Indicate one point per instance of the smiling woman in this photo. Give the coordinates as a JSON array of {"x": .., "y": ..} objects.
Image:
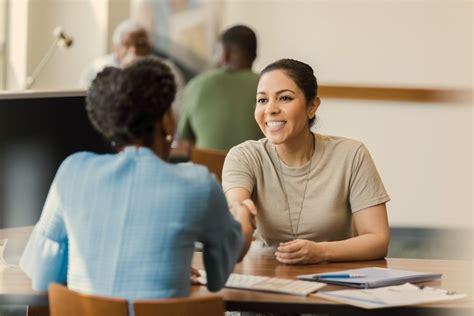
[
  {"x": 279, "y": 93},
  {"x": 314, "y": 197}
]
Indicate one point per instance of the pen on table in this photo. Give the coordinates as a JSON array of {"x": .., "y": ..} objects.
[{"x": 339, "y": 276}]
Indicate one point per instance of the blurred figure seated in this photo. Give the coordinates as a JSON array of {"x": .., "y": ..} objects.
[
  {"x": 218, "y": 105},
  {"x": 130, "y": 41}
]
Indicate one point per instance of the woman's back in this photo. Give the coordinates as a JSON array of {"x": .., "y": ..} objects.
[
  {"x": 132, "y": 220},
  {"x": 128, "y": 222},
  {"x": 125, "y": 224}
]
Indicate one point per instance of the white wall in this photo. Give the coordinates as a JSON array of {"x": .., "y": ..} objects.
[
  {"x": 31, "y": 23},
  {"x": 423, "y": 151},
  {"x": 17, "y": 30},
  {"x": 422, "y": 43},
  {"x": 84, "y": 20},
  {"x": 118, "y": 11},
  {"x": 3, "y": 15}
]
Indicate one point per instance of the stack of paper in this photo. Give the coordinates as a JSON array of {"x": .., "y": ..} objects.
[{"x": 390, "y": 296}]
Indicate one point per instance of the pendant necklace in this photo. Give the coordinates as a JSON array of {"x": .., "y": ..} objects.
[{"x": 295, "y": 232}]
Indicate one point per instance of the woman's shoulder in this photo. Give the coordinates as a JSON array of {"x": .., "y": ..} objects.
[
  {"x": 189, "y": 169},
  {"x": 74, "y": 164},
  {"x": 198, "y": 182},
  {"x": 193, "y": 173},
  {"x": 342, "y": 147},
  {"x": 251, "y": 147},
  {"x": 78, "y": 159},
  {"x": 338, "y": 143}
]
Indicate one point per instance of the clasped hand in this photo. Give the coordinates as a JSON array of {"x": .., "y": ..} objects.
[
  {"x": 194, "y": 276},
  {"x": 245, "y": 211},
  {"x": 300, "y": 251}
]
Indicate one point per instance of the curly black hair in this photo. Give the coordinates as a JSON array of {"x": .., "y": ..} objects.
[{"x": 124, "y": 105}]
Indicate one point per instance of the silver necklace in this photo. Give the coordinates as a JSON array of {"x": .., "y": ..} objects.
[{"x": 295, "y": 232}]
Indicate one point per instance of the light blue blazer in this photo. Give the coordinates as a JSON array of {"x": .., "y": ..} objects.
[{"x": 125, "y": 224}]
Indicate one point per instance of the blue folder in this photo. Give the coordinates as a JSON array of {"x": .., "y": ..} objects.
[{"x": 374, "y": 277}]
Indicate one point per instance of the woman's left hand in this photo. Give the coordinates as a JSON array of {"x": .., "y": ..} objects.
[{"x": 300, "y": 251}]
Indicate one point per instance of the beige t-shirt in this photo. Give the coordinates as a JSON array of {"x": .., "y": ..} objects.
[{"x": 343, "y": 179}]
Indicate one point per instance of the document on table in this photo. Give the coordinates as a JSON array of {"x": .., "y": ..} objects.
[
  {"x": 390, "y": 296},
  {"x": 372, "y": 277}
]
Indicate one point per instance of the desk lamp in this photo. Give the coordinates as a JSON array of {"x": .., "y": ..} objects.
[{"x": 60, "y": 40}]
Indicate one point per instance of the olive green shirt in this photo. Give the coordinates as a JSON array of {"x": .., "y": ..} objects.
[
  {"x": 218, "y": 109},
  {"x": 343, "y": 179}
]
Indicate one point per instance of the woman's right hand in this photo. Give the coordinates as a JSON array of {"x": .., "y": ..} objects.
[{"x": 245, "y": 211}]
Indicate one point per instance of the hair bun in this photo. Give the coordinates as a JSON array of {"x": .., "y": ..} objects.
[{"x": 125, "y": 104}]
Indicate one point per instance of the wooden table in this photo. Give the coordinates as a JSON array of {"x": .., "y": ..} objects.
[{"x": 15, "y": 286}]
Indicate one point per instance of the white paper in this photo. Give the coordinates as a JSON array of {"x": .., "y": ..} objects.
[{"x": 399, "y": 295}]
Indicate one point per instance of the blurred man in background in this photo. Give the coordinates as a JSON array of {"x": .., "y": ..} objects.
[{"x": 218, "y": 105}]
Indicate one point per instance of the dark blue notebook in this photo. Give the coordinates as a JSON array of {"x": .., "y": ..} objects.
[{"x": 374, "y": 277}]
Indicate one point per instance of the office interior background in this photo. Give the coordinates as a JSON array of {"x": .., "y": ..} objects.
[{"x": 396, "y": 75}]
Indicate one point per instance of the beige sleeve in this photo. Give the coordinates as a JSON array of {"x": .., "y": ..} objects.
[
  {"x": 238, "y": 170},
  {"x": 365, "y": 187}
]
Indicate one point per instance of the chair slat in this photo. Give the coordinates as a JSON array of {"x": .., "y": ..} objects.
[
  {"x": 63, "y": 301},
  {"x": 212, "y": 305},
  {"x": 213, "y": 159}
]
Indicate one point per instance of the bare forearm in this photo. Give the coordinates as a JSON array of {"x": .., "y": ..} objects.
[
  {"x": 247, "y": 231},
  {"x": 364, "y": 247},
  {"x": 244, "y": 212}
]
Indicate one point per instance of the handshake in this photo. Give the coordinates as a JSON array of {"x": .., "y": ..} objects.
[{"x": 244, "y": 212}]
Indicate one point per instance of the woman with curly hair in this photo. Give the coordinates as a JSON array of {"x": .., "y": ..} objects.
[{"x": 125, "y": 224}]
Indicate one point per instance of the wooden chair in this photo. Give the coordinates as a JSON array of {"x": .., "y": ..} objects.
[
  {"x": 63, "y": 301},
  {"x": 212, "y": 305},
  {"x": 212, "y": 158}
]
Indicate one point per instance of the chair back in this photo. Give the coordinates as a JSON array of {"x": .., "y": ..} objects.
[
  {"x": 212, "y": 158},
  {"x": 211, "y": 305},
  {"x": 63, "y": 301}
]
